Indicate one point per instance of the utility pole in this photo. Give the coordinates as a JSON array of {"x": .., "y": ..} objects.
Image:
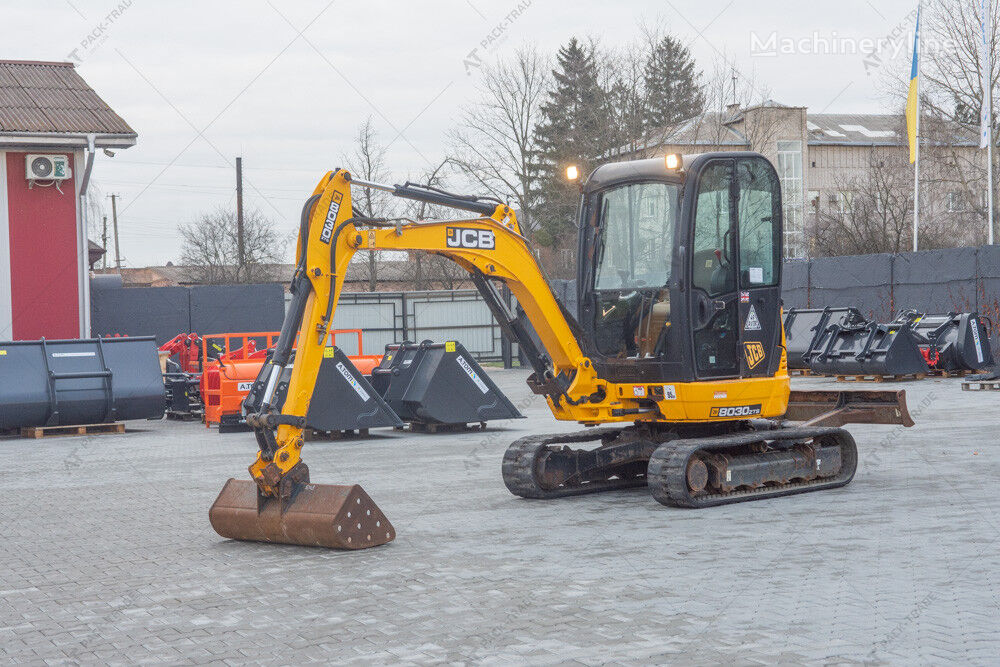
[
  {"x": 240, "y": 248},
  {"x": 104, "y": 242},
  {"x": 114, "y": 218}
]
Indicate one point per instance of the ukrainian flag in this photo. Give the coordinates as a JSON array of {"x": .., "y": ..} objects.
[{"x": 912, "y": 102}]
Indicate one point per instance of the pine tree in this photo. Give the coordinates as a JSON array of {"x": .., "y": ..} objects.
[
  {"x": 673, "y": 93},
  {"x": 574, "y": 131}
]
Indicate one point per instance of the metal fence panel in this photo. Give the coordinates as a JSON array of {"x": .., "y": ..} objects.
[
  {"x": 236, "y": 308},
  {"x": 861, "y": 281},
  {"x": 935, "y": 281},
  {"x": 795, "y": 284},
  {"x": 162, "y": 312},
  {"x": 464, "y": 317},
  {"x": 988, "y": 262}
]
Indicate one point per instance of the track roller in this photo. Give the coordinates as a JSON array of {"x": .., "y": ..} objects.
[{"x": 704, "y": 472}]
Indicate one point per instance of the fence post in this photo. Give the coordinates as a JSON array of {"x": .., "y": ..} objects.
[
  {"x": 505, "y": 343},
  {"x": 403, "y": 306}
]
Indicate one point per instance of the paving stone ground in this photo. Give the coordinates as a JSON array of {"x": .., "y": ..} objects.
[{"x": 108, "y": 557}]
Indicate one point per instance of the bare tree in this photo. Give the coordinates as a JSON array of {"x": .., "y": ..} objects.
[
  {"x": 210, "y": 247},
  {"x": 367, "y": 162},
  {"x": 728, "y": 93},
  {"x": 873, "y": 212},
  {"x": 951, "y": 95},
  {"x": 494, "y": 146}
]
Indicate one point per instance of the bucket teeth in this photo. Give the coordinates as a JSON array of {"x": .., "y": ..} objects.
[{"x": 320, "y": 515}]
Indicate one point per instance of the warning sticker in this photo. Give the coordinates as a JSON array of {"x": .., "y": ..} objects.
[
  {"x": 752, "y": 323},
  {"x": 449, "y": 346},
  {"x": 744, "y": 297},
  {"x": 472, "y": 374},
  {"x": 329, "y": 352},
  {"x": 353, "y": 382},
  {"x": 670, "y": 392}
]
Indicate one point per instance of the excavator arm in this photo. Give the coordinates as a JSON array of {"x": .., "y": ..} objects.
[{"x": 490, "y": 246}]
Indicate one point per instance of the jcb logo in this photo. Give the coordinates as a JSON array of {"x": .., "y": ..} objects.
[
  {"x": 754, "y": 353},
  {"x": 463, "y": 237}
]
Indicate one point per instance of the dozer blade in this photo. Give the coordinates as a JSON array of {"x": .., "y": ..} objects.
[
  {"x": 318, "y": 515},
  {"x": 836, "y": 408}
]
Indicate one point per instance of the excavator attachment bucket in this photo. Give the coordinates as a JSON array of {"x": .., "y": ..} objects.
[
  {"x": 342, "y": 399},
  {"x": 315, "y": 515},
  {"x": 439, "y": 384}
]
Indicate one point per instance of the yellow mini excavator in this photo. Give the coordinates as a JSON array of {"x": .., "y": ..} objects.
[{"x": 676, "y": 348}]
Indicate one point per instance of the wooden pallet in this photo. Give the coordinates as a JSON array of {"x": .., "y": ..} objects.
[
  {"x": 981, "y": 386},
  {"x": 803, "y": 372},
  {"x": 418, "y": 427},
  {"x": 83, "y": 429},
  {"x": 881, "y": 378},
  {"x": 941, "y": 373}
]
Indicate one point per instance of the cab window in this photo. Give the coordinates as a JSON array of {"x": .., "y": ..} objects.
[
  {"x": 636, "y": 237},
  {"x": 759, "y": 219}
]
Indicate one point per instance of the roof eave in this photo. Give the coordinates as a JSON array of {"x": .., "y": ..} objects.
[{"x": 64, "y": 139}]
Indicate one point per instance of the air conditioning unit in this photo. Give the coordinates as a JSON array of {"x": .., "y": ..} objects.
[{"x": 47, "y": 168}]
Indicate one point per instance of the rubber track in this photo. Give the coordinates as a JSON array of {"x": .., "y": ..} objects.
[
  {"x": 667, "y": 472},
  {"x": 520, "y": 458}
]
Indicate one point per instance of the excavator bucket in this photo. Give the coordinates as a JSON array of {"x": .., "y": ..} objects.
[
  {"x": 439, "y": 384},
  {"x": 342, "y": 399},
  {"x": 316, "y": 515}
]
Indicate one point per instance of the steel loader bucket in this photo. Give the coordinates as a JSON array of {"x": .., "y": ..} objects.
[
  {"x": 317, "y": 515},
  {"x": 439, "y": 384},
  {"x": 805, "y": 326},
  {"x": 871, "y": 349}
]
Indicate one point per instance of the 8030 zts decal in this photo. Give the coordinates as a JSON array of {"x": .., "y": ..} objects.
[{"x": 736, "y": 411}]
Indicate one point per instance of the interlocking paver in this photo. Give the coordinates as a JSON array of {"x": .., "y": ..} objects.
[{"x": 108, "y": 556}]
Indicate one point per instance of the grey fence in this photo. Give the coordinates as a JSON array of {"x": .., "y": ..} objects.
[
  {"x": 392, "y": 317},
  {"x": 164, "y": 312},
  {"x": 931, "y": 281}
]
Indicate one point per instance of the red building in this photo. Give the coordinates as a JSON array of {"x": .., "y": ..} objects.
[{"x": 51, "y": 124}]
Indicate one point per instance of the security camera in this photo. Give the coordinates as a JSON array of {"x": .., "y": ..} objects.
[{"x": 109, "y": 152}]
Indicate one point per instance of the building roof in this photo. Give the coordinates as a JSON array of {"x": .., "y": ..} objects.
[
  {"x": 50, "y": 99},
  {"x": 872, "y": 129}
]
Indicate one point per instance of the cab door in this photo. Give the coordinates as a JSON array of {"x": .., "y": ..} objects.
[
  {"x": 714, "y": 299},
  {"x": 758, "y": 236}
]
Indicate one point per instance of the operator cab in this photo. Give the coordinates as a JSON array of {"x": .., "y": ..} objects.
[{"x": 679, "y": 268}]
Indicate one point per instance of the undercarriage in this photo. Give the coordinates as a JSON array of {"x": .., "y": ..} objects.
[{"x": 684, "y": 467}]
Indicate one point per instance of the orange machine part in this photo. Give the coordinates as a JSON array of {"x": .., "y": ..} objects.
[{"x": 226, "y": 382}]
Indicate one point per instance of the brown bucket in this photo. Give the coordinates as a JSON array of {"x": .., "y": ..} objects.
[{"x": 318, "y": 515}]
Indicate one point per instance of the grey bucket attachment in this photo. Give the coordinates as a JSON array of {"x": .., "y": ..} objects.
[
  {"x": 439, "y": 384},
  {"x": 342, "y": 400},
  {"x": 805, "y": 326},
  {"x": 868, "y": 349},
  {"x": 87, "y": 381},
  {"x": 952, "y": 342}
]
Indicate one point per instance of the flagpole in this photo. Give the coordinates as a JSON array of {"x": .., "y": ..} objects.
[
  {"x": 988, "y": 39},
  {"x": 916, "y": 164}
]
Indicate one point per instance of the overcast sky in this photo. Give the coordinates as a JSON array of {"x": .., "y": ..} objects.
[{"x": 286, "y": 84}]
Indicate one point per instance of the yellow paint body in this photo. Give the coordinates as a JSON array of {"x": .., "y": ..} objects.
[{"x": 511, "y": 261}]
